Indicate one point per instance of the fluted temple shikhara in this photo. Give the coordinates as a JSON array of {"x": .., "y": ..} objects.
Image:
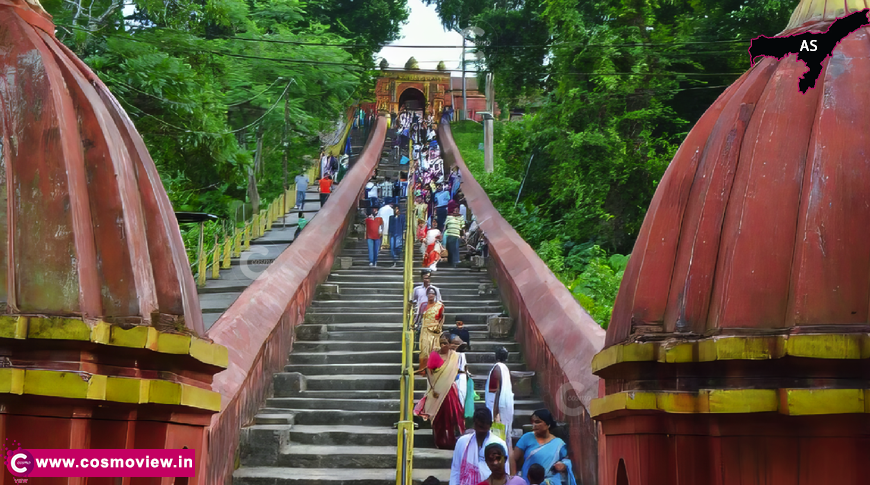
[
  {"x": 739, "y": 340},
  {"x": 101, "y": 332}
]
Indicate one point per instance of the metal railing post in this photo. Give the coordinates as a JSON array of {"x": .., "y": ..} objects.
[{"x": 405, "y": 458}]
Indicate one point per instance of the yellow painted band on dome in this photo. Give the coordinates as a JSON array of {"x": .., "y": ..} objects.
[
  {"x": 75, "y": 385},
  {"x": 790, "y": 402},
  {"x": 812, "y": 346},
  {"x": 104, "y": 333}
]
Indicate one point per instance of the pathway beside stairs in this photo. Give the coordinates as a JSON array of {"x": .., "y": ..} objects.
[{"x": 330, "y": 420}]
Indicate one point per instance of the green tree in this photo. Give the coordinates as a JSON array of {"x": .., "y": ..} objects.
[{"x": 609, "y": 97}]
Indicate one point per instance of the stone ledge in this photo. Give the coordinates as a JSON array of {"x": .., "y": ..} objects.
[
  {"x": 790, "y": 402},
  {"x": 144, "y": 337},
  {"x": 768, "y": 347},
  {"x": 83, "y": 385}
]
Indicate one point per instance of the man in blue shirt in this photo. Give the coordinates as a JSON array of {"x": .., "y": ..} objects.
[{"x": 442, "y": 198}]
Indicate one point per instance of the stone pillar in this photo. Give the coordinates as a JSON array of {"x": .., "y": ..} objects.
[{"x": 487, "y": 141}]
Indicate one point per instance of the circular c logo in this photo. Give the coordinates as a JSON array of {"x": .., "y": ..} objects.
[{"x": 21, "y": 463}]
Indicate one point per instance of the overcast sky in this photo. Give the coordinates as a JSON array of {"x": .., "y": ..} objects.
[{"x": 424, "y": 28}]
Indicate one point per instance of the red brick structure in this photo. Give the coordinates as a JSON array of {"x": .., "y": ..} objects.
[
  {"x": 100, "y": 327},
  {"x": 737, "y": 352}
]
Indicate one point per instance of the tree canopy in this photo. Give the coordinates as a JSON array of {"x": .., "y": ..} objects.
[
  {"x": 609, "y": 89},
  {"x": 206, "y": 82}
]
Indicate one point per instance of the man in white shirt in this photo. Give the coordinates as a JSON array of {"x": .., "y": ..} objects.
[
  {"x": 372, "y": 194},
  {"x": 418, "y": 296},
  {"x": 385, "y": 213},
  {"x": 469, "y": 463}
]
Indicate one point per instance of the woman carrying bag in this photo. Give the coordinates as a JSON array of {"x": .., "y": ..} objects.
[{"x": 441, "y": 402}]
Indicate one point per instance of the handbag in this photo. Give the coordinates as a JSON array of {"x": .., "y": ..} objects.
[{"x": 499, "y": 430}]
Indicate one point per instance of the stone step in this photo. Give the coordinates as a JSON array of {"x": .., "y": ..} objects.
[
  {"x": 391, "y": 335},
  {"x": 370, "y": 404},
  {"x": 266, "y": 419},
  {"x": 376, "y": 346},
  {"x": 378, "y": 368},
  {"x": 392, "y": 317},
  {"x": 393, "y": 308},
  {"x": 354, "y": 382},
  {"x": 419, "y": 391},
  {"x": 372, "y": 279},
  {"x": 395, "y": 326},
  {"x": 397, "y": 302},
  {"x": 461, "y": 293},
  {"x": 342, "y": 417},
  {"x": 331, "y": 476},
  {"x": 355, "y": 436},
  {"x": 387, "y": 356},
  {"x": 330, "y": 456}
]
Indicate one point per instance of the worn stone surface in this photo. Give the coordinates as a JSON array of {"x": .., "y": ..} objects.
[
  {"x": 327, "y": 290},
  {"x": 288, "y": 383},
  {"x": 312, "y": 331},
  {"x": 523, "y": 382},
  {"x": 499, "y": 326}
]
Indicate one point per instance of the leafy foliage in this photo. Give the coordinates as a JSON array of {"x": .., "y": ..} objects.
[
  {"x": 609, "y": 89},
  {"x": 208, "y": 83}
]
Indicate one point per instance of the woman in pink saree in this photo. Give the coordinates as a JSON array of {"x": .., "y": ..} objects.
[{"x": 441, "y": 402}]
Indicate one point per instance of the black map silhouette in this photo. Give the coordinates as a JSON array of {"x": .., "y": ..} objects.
[{"x": 811, "y": 48}]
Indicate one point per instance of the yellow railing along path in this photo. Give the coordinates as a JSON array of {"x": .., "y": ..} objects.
[
  {"x": 405, "y": 454},
  {"x": 219, "y": 256}
]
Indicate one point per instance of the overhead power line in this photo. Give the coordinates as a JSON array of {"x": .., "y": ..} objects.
[
  {"x": 359, "y": 68},
  {"x": 229, "y": 132}
]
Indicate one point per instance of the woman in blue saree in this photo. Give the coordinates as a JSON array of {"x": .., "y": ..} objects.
[{"x": 542, "y": 447}]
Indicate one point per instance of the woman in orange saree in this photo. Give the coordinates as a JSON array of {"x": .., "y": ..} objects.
[{"x": 441, "y": 402}]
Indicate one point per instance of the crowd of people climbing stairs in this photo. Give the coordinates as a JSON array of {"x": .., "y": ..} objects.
[{"x": 484, "y": 452}]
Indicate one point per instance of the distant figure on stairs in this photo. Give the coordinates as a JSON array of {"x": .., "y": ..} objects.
[
  {"x": 300, "y": 224},
  {"x": 464, "y": 381},
  {"x": 418, "y": 296},
  {"x": 460, "y": 331},
  {"x": 441, "y": 402},
  {"x": 496, "y": 457},
  {"x": 325, "y": 189},
  {"x": 374, "y": 229},
  {"x": 434, "y": 250},
  {"x": 454, "y": 229},
  {"x": 396, "y": 228},
  {"x": 469, "y": 460},
  {"x": 431, "y": 323},
  {"x": 499, "y": 394},
  {"x": 542, "y": 447},
  {"x": 301, "y": 187}
]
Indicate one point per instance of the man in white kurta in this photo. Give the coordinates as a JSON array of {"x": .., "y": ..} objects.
[
  {"x": 499, "y": 383},
  {"x": 469, "y": 452}
]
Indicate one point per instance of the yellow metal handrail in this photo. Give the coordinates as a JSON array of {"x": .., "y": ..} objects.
[{"x": 405, "y": 452}]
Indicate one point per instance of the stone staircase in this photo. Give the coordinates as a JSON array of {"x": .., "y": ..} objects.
[
  {"x": 217, "y": 295},
  {"x": 331, "y": 418}
]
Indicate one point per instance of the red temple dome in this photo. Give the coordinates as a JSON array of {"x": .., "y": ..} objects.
[
  {"x": 89, "y": 229},
  {"x": 762, "y": 221}
]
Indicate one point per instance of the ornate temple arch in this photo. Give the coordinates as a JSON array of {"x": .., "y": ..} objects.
[{"x": 434, "y": 85}]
